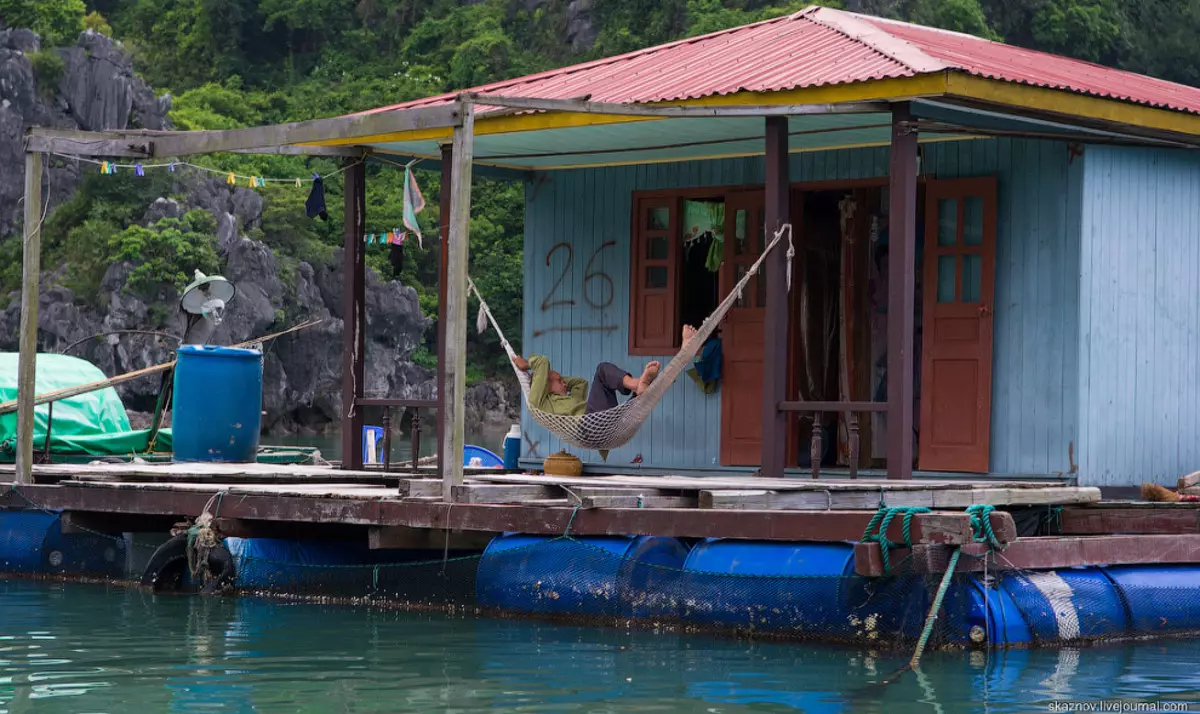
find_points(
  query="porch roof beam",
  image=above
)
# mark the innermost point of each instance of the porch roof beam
(273, 139)
(581, 106)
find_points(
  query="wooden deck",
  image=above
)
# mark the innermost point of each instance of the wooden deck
(407, 510)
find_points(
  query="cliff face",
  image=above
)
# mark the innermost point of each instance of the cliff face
(97, 90)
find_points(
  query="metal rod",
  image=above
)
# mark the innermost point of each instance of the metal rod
(416, 438)
(833, 406)
(852, 427)
(387, 439)
(815, 447)
(49, 424)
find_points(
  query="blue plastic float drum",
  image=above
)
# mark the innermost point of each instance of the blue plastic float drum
(617, 576)
(33, 542)
(217, 406)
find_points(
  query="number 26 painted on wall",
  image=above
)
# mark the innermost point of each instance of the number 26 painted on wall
(607, 287)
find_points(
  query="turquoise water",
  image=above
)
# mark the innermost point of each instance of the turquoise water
(91, 649)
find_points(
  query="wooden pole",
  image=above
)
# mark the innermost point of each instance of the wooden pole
(774, 421)
(456, 302)
(354, 324)
(31, 267)
(902, 221)
(443, 437)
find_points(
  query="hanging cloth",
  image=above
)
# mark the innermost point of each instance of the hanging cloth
(315, 205)
(707, 370)
(396, 253)
(414, 203)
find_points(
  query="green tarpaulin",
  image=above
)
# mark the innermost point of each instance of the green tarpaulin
(94, 423)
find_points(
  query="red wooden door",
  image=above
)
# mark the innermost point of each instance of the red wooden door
(742, 333)
(956, 365)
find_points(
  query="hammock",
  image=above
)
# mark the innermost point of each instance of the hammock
(615, 427)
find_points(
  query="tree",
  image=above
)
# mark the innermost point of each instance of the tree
(59, 22)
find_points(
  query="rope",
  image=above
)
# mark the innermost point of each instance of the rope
(881, 520)
(915, 662)
(981, 526)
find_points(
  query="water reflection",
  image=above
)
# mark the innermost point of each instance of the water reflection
(82, 648)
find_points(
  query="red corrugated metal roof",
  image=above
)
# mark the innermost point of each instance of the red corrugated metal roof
(996, 60)
(821, 46)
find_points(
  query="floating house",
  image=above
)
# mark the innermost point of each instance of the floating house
(1043, 322)
(989, 271)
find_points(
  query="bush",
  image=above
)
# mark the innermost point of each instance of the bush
(168, 252)
(48, 70)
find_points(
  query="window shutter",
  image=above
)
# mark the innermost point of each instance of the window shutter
(653, 303)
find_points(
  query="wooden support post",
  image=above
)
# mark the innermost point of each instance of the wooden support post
(31, 267)
(458, 251)
(902, 187)
(774, 422)
(443, 438)
(353, 313)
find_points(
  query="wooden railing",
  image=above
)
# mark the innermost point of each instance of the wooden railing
(404, 404)
(850, 409)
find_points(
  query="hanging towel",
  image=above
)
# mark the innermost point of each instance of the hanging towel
(414, 203)
(315, 205)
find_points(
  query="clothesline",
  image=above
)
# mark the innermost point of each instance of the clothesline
(232, 177)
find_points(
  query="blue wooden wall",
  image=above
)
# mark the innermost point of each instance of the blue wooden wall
(1139, 350)
(1034, 406)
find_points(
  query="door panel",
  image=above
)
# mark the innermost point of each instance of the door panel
(742, 343)
(956, 368)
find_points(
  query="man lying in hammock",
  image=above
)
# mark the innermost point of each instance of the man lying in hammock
(551, 392)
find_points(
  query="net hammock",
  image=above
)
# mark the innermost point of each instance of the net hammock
(615, 427)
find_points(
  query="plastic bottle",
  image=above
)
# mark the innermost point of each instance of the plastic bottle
(512, 448)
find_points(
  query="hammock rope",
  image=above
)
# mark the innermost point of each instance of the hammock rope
(615, 427)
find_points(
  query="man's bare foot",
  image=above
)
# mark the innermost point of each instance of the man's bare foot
(688, 333)
(647, 377)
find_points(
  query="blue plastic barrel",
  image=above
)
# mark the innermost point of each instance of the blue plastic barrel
(217, 407)
(33, 542)
(600, 576)
(366, 449)
(1160, 598)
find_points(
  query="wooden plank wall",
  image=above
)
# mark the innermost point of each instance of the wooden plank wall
(1139, 352)
(1034, 407)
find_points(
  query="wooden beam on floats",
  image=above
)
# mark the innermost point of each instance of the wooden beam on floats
(31, 262)
(266, 139)
(661, 111)
(1157, 518)
(427, 539)
(353, 313)
(902, 194)
(457, 254)
(775, 363)
(1037, 554)
(810, 526)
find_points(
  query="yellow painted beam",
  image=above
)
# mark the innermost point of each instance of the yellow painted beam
(950, 84)
(1071, 104)
(882, 89)
(732, 155)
